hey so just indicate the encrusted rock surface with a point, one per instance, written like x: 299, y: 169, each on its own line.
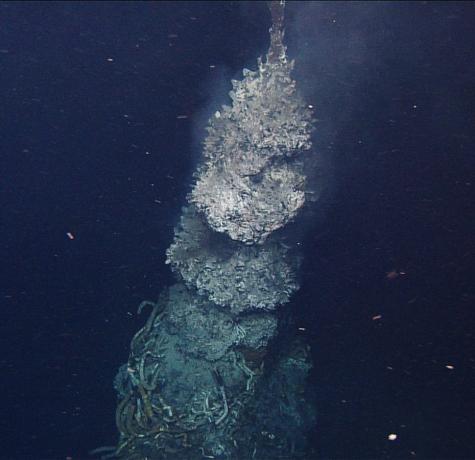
x: 231, y: 274
x: 251, y: 181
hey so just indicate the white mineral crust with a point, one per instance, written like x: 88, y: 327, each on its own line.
x: 251, y: 181
x: 231, y: 274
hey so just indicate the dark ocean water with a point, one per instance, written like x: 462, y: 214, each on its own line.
x: 102, y: 112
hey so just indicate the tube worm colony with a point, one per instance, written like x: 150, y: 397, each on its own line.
x: 209, y: 375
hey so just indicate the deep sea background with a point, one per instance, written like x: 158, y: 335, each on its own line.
x: 102, y: 110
